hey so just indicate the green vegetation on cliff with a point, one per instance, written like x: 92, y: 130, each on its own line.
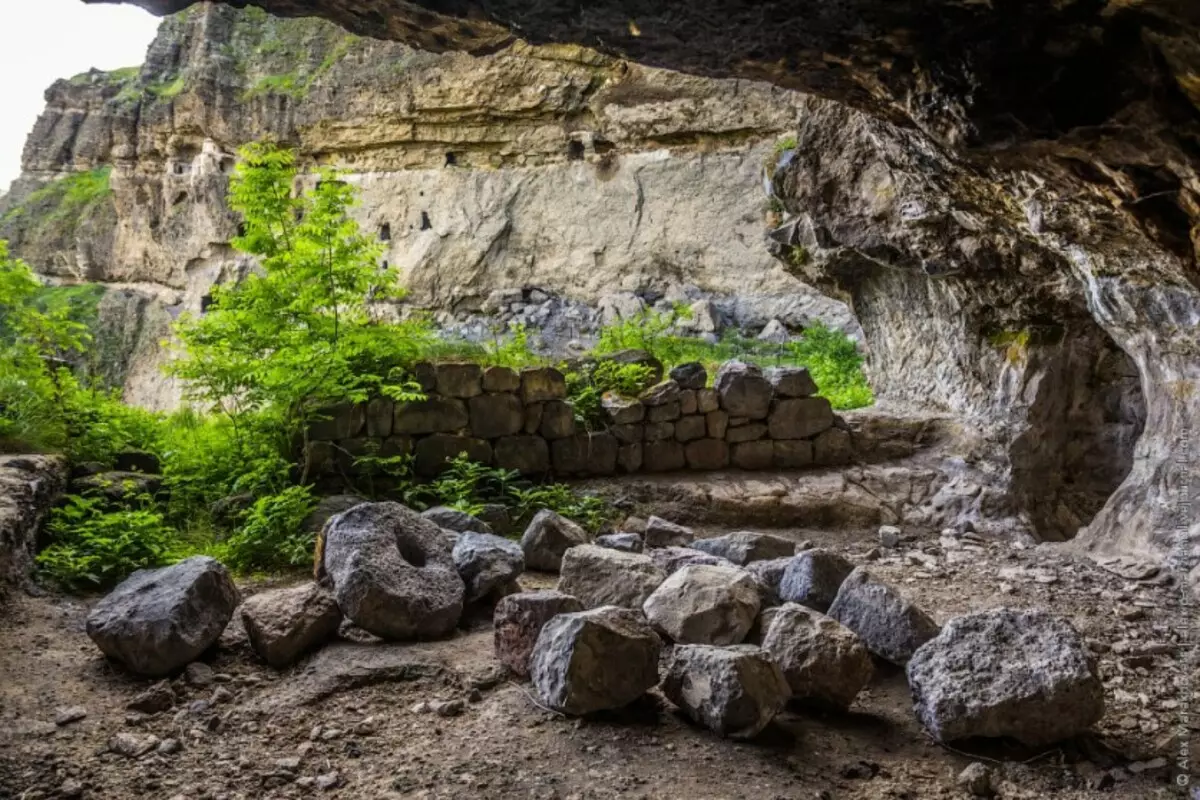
x: 63, y: 201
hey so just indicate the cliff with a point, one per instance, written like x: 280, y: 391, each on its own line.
x: 550, y: 167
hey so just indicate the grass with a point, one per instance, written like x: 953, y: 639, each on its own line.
x: 65, y: 199
x: 165, y: 90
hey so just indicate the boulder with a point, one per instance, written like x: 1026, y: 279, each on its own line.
x: 821, y: 659
x: 158, y: 620
x: 707, y: 454
x: 813, y: 578
x: 703, y: 604
x: 703, y: 317
x: 791, y: 381
x: 661, y: 533
x: 691, y: 375
x: 431, y: 415
x: 461, y: 380
x: 890, y: 626
x: 774, y: 332
x: 548, y: 536
x: 539, y: 384
x: 742, y: 547
x: 284, y: 624
x: 392, y: 572
x: 672, y: 559
x: 529, y: 455
x: 742, y: 390
x: 800, y: 418
x: 600, y: 576
x: 624, y: 542
x: 769, y: 575
x: 486, y: 563
x: 661, y: 394
x: 452, y: 519
x: 595, y: 660
x: 495, y: 415
x: 517, y: 622
x: 501, y: 379
x: 1021, y: 674
x: 622, y: 410
x: 733, y: 691
x: 328, y: 507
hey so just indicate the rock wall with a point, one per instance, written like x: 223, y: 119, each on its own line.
x: 553, y: 168
x: 29, y: 485
x: 522, y: 421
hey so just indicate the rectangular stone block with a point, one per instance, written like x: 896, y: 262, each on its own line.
x: 832, y: 447
x: 707, y: 454
x: 667, y: 412
x: 753, y: 455
x: 628, y: 434
x: 691, y: 427
x: 501, y: 379
x: 539, y: 384
x: 657, y: 431
x: 459, y: 379
x: 687, y: 402
x: 342, y: 421
x: 585, y: 454
x: 629, y: 457
x: 533, y: 417
x: 717, y: 423
x: 663, y: 456
x: 746, y: 433
x: 380, y: 412
x: 800, y: 418
x: 494, y: 415
x: 793, y: 453
x: 558, y: 419
x: 529, y: 455
x: 434, y: 452
x: 707, y: 400
x: 432, y: 415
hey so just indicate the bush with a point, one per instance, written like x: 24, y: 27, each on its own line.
x: 272, y: 536
x: 94, y: 547
x: 586, y: 387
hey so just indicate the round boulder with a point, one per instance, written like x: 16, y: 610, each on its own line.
x: 548, y: 536
x: 158, y: 620
x: 821, y: 659
x: 486, y: 562
x: 283, y: 624
x: 392, y: 572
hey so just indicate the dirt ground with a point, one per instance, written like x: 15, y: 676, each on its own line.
x: 357, y: 719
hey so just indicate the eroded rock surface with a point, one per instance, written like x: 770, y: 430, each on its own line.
x: 890, y: 626
x: 734, y: 691
x: 821, y: 659
x: 29, y: 485
x: 282, y: 624
x: 704, y: 604
x: 601, y: 576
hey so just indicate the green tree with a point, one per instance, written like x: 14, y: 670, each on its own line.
x: 300, y: 333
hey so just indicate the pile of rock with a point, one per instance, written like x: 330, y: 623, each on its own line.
x: 750, y: 419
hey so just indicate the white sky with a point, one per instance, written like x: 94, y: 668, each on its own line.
x: 43, y: 40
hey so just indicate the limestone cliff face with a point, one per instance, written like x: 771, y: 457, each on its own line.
x: 550, y: 167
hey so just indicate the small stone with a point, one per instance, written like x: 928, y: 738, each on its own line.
x: 132, y: 745
x: 976, y: 779
x: 330, y: 780
x: 447, y: 708
x: 157, y: 698
x: 661, y: 533
x: 65, y: 716
x: 198, y: 674
x: 889, y: 536
x: 221, y: 695
x: 169, y: 747
x: 283, y: 624
x: 486, y: 562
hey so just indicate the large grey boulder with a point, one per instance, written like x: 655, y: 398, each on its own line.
x: 791, y: 381
x: 743, y: 391
x: 599, y: 576
x: 661, y: 533
x: 1021, y: 674
x: 672, y: 559
x: 454, y: 520
x: 733, y: 691
x: 392, y: 572
x: 800, y: 418
x: 890, y: 626
x: 283, y: 624
x: 158, y: 620
x: 742, y: 547
x: 486, y: 562
x: 705, y: 605
x: 769, y: 575
x: 518, y: 620
x: 813, y: 578
x: 595, y: 660
x: 548, y: 536
x: 821, y: 659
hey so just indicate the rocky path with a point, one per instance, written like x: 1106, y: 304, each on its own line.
x: 362, y: 719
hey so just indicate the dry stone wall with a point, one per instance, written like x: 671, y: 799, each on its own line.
x: 748, y: 419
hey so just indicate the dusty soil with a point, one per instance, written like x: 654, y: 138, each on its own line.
x: 354, y: 721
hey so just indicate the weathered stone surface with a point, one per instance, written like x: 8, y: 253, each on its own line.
x: 745, y: 433
x: 558, y: 419
x: 539, y: 384
x: 591, y: 453
x: 628, y: 434
x: 688, y: 402
x: 742, y: 390
x: 600, y: 576
x: 663, y: 456
x: 517, y: 623
x: 769, y: 575
x: 494, y: 415
x: 380, y: 413
x: 433, y: 453
x: 1004, y: 672
x: 501, y: 379
x: 832, y: 448
x: 707, y: 454
x: 800, y: 418
x: 666, y: 412
x: 458, y: 380
x: 793, y: 453
x: 821, y: 659
x: 662, y: 533
x: 548, y: 536
x: 630, y: 457
x: 742, y: 547
x: 425, y: 374
x: 752, y: 455
x: 533, y: 417
x: 717, y: 422
x: 813, y: 578
x: 342, y: 421
x: 691, y: 375
x: 283, y: 624
x: 790, y: 381
x: 704, y: 605
x: 486, y: 562
x: 658, y: 431
x: 690, y: 428
x: 529, y: 455
x: 733, y: 691
x: 661, y: 394
x: 672, y: 559
x: 452, y: 519
x: 29, y: 486
x: 158, y: 620
x: 624, y: 542
x: 392, y: 572
x: 707, y: 401
x: 432, y: 415
x: 622, y: 410
x: 890, y: 626
x: 595, y: 660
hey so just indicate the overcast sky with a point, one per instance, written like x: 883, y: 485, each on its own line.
x: 43, y: 40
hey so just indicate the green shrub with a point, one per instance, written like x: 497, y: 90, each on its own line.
x: 94, y: 547
x: 272, y: 537
x: 835, y: 364
x: 587, y: 386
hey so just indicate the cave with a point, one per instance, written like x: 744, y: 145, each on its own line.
x: 385, y: 232
x: 575, y: 150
